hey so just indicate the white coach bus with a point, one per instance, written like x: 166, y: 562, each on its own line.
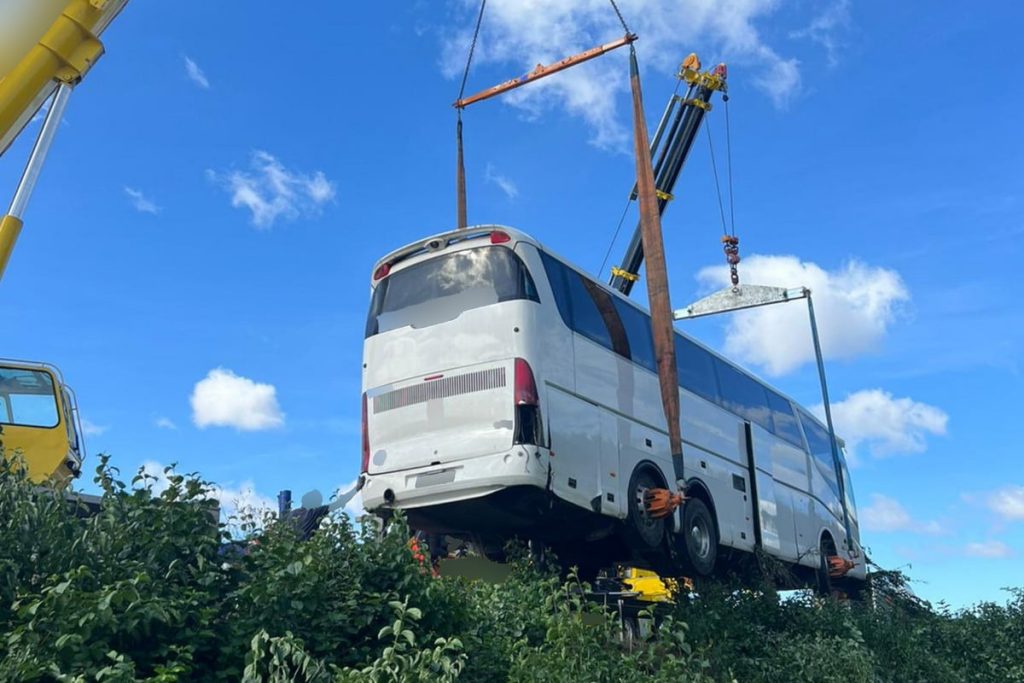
x: 506, y: 393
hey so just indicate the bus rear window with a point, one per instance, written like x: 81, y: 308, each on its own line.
x: 442, y: 288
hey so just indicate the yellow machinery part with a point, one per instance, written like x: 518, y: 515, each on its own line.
x: 10, y: 228
x: 46, y: 451
x: 65, y: 53
x: 649, y: 586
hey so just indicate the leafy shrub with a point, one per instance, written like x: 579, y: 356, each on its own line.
x: 152, y: 588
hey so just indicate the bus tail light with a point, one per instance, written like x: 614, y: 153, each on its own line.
x: 500, y: 237
x: 381, y: 272
x: 365, y: 464
x: 527, y: 405
x: 526, y: 388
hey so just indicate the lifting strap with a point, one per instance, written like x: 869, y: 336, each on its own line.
x: 539, y: 72
x: 460, y: 170
x: 657, y: 272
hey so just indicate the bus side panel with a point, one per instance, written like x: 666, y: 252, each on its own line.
x: 778, y: 526
x: 732, y: 505
x: 772, y: 538
x: 607, y: 379
x: 711, y: 428
x: 640, y: 443
x: 613, y: 502
x: 575, y: 447
x: 808, y: 528
x: 715, y: 453
x: 554, y: 362
x: 826, y: 521
x: 788, y: 467
x: 821, y: 490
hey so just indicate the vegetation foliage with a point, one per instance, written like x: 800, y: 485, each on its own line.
x: 152, y: 588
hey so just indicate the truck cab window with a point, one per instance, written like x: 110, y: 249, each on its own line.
x: 28, y: 398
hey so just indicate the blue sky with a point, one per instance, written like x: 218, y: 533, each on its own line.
x: 224, y: 180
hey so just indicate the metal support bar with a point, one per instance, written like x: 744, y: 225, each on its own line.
x: 738, y: 298
x: 541, y: 71
x: 833, y: 441
x: 11, y: 224
x: 42, y: 147
x: 743, y: 297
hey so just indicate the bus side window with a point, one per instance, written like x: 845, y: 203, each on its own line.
x: 744, y: 395
x: 696, y: 369
x: 784, y: 419
x: 587, y: 319
x: 638, y: 329
x: 851, y: 502
x: 821, y: 451
x: 557, y: 278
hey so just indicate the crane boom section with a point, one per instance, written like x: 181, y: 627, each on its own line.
x: 65, y: 44
x: 669, y: 149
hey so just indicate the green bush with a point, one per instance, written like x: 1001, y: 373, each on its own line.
x: 152, y: 588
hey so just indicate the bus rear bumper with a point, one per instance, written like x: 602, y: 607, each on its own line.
x: 457, y: 481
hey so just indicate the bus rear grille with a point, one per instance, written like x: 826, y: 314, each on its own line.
x: 468, y: 383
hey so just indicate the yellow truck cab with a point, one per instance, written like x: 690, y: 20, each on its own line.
x: 39, y: 421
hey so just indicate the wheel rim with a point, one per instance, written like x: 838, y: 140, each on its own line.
x: 647, y: 526
x: 700, y: 537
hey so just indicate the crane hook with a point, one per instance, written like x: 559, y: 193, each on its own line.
x: 731, y: 245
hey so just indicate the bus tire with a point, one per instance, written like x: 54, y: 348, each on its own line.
x: 643, y: 530
x: 823, y: 578
x: 699, y: 538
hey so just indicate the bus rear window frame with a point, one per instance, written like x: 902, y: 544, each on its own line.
x: 529, y: 286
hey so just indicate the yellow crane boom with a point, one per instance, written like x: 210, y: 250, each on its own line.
x: 46, y: 48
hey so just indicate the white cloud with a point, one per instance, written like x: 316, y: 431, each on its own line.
x: 232, y: 501
x: 854, y: 307
x: 224, y: 399
x: 503, y: 182
x: 1008, y: 503
x: 270, y: 191
x: 886, y: 514
x: 519, y: 34
x: 825, y: 27
x: 141, y: 202
x: 165, y: 423
x: 243, y: 499
x: 90, y: 428
x: 989, y: 549
x: 887, y: 425
x: 195, y: 74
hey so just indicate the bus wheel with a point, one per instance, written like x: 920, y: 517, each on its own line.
x: 822, y: 577
x: 699, y: 538
x: 643, y: 530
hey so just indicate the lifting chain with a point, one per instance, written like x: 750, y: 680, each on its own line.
x: 731, y: 245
